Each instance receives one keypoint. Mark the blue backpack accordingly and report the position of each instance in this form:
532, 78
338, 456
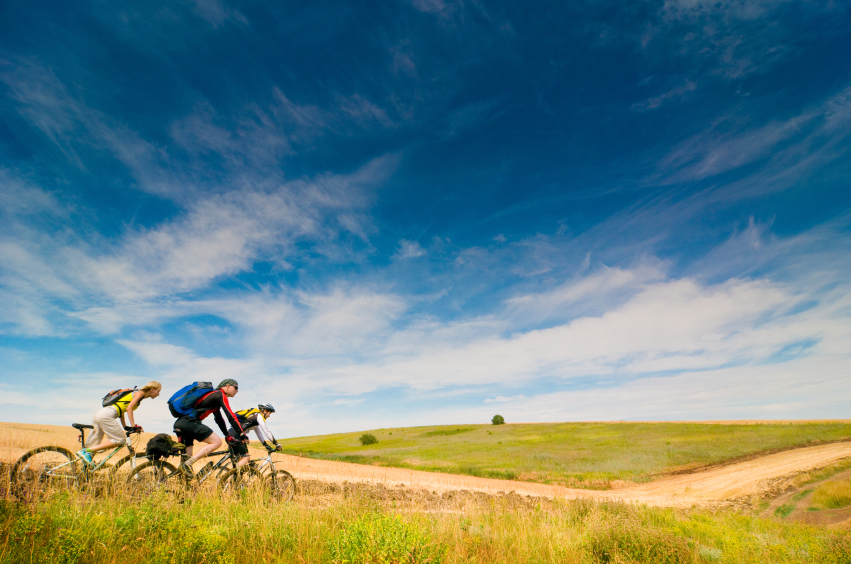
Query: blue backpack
183, 401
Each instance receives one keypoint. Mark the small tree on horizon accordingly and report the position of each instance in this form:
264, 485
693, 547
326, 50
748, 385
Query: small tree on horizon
368, 439
498, 420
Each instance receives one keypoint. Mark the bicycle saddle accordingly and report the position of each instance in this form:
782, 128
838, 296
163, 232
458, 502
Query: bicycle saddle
80, 426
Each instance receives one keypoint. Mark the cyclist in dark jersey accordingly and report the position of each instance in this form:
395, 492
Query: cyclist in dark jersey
189, 429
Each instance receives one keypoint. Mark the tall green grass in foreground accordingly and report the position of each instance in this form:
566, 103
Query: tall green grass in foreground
573, 454
74, 529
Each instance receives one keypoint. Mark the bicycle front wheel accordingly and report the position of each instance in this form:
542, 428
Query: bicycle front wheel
44, 471
281, 484
155, 476
129, 462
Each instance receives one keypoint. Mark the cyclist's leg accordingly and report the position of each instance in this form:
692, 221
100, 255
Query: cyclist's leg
240, 449
186, 430
193, 430
211, 443
107, 432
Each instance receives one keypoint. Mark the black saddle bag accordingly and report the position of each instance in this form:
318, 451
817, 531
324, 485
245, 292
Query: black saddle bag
163, 445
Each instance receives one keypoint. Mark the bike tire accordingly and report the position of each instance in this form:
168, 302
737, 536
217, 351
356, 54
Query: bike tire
281, 484
155, 476
45, 470
240, 479
140, 459
225, 469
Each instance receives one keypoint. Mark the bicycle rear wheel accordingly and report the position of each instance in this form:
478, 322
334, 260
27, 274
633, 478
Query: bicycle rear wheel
241, 479
44, 471
281, 484
155, 476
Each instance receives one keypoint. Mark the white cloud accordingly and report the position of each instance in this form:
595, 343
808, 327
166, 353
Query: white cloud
126, 281
672, 326
408, 249
160, 354
345, 321
675, 94
813, 387
504, 399
601, 289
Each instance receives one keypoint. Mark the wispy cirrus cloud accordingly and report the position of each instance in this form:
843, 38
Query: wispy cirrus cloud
220, 235
786, 151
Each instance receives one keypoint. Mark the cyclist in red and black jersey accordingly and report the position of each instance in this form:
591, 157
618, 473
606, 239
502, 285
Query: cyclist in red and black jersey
189, 429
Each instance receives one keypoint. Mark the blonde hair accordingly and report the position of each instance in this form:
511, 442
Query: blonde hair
152, 385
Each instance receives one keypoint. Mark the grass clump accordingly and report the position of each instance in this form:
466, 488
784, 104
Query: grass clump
832, 495
446, 432
784, 511
183, 541
627, 539
384, 538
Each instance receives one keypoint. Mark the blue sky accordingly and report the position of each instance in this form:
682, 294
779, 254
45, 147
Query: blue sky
428, 212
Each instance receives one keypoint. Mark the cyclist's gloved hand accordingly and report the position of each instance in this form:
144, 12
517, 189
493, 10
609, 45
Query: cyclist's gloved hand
128, 429
230, 440
278, 447
137, 428
243, 438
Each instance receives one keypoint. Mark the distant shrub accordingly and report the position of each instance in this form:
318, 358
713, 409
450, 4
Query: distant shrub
368, 439
498, 420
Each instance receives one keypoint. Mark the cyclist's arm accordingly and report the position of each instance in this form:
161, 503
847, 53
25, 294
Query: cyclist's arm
262, 430
234, 420
220, 421
215, 402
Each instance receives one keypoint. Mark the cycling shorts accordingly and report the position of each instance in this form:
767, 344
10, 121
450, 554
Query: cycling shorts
190, 429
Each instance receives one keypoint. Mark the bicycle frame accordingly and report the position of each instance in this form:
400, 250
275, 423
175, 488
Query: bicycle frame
95, 467
266, 462
208, 469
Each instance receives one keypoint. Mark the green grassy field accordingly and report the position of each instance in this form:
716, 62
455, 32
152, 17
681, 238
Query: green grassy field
574, 454
208, 528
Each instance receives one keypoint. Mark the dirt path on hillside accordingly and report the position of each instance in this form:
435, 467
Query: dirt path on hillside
763, 475
721, 484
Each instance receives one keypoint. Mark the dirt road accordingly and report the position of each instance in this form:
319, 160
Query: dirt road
738, 480
708, 487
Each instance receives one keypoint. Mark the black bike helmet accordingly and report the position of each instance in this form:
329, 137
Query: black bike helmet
266, 407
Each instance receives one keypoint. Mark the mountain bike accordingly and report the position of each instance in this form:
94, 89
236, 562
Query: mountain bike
280, 483
161, 475
45, 470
